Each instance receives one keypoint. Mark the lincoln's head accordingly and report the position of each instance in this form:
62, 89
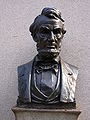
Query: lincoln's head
48, 30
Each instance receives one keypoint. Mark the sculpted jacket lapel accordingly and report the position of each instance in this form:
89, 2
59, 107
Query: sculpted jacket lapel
24, 72
69, 76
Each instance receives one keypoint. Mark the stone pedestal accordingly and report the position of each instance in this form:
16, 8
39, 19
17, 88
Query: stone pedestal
45, 114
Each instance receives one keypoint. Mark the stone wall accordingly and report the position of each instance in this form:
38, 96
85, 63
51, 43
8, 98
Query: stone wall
17, 46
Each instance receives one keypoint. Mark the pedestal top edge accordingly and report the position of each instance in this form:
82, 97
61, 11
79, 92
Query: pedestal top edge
19, 109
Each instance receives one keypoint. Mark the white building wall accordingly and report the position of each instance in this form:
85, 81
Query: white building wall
17, 47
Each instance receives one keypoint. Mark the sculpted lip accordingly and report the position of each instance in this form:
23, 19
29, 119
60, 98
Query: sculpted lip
53, 46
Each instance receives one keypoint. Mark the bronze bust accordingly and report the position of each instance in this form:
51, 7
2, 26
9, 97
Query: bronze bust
47, 79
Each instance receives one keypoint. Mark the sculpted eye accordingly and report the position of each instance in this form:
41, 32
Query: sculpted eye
57, 31
44, 30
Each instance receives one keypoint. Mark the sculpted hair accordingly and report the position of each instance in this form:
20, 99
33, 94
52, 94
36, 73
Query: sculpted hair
50, 13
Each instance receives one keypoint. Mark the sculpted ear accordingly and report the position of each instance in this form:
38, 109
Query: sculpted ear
35, 37
32, 29
64, 31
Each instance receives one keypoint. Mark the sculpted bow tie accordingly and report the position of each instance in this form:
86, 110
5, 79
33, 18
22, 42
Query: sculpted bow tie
45, 67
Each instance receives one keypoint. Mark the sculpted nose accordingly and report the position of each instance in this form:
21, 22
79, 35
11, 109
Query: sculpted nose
52, 36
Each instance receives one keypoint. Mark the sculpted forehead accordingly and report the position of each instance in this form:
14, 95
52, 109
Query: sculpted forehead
43, 20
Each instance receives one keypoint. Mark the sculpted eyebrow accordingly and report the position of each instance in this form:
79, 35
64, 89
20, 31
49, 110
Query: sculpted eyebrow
57, 30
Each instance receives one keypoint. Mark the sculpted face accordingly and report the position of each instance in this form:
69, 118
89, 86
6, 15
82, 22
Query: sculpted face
48, 30
49, 38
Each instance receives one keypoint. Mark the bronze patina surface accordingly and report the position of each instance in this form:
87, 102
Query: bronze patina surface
47, 81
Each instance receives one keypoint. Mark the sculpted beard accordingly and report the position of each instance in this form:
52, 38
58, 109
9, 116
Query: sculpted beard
48, 48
